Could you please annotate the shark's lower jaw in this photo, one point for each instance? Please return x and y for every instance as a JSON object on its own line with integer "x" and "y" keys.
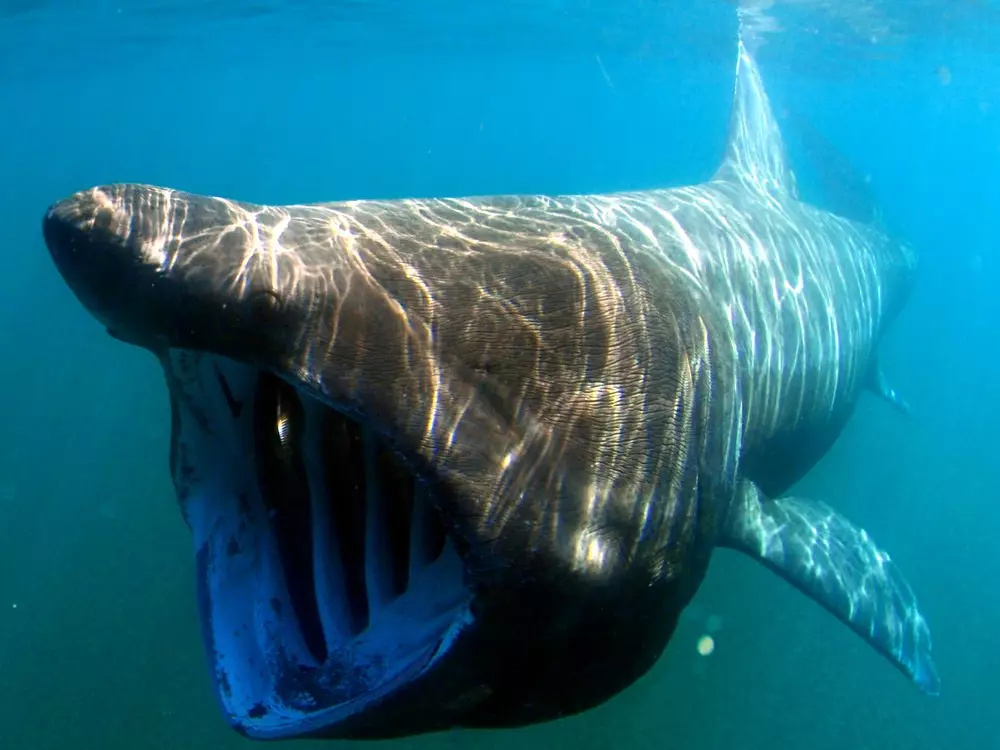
{"x": 326, "y": 581}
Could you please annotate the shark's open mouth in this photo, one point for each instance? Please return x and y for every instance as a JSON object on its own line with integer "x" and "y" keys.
{"x": 327, "y": 580}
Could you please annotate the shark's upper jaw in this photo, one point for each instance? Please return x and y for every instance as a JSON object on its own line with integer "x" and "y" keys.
{"x": 327, "y": 583}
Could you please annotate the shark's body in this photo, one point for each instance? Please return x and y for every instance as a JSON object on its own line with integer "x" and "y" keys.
{"x": 464, "y": 461}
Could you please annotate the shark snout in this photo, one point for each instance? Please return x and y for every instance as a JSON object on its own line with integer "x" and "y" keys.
{"x": 160, "y": 270}
{"x": 89, "y": 238}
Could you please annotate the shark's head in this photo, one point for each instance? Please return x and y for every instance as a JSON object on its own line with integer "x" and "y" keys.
{"x": 413, "y": 505}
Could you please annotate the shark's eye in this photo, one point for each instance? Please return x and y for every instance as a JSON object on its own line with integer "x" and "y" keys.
{"x": 263, "y": 302}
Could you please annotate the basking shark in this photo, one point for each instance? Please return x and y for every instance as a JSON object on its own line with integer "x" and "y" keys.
{"x": 463, "y": 462}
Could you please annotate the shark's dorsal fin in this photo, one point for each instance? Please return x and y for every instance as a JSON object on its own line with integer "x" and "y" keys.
{"x": 755, "y": 152}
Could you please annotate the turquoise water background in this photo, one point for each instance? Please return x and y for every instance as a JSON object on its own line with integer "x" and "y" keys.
{"x": 301, "y": 102}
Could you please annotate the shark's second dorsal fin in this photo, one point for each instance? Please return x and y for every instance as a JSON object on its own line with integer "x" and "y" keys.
{"x": 755, "y": 152}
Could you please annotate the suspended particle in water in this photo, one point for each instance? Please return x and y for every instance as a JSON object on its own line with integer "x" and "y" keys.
{"x": 706, "y": 645}
{"x": 944, "y": 74}
{"x": 604, "y": 72}
{"x": 713, "y": 624}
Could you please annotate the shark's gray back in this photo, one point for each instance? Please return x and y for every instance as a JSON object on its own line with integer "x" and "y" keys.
{"x": 800, "y": 295}
{"x": 793, "y": 298}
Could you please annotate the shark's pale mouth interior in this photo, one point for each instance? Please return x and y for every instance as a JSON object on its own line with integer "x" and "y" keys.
{"x": 326, "y": 578}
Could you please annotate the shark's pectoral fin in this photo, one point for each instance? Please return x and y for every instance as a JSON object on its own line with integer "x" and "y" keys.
{"x": 822, "y": 554}
{"x": 879, "y": 384}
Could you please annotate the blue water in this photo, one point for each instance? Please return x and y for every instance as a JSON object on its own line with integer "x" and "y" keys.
{"x": 299, "y": 102}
